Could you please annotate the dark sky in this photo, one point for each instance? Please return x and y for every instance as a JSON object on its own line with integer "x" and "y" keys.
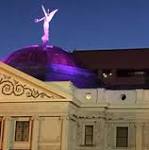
{"x": 79, "y": 24}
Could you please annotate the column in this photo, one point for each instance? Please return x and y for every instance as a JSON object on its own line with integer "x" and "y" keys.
{"x": 65, "y": 133}
{"x": 105, "y": 134}
{"x": 74, "y": 135}
{"x": 146, "y": 135}
{"x": 132, "y": 135}
{"x": 6, "y": 137}
{"x": 35, "y": 133}
{"x": 139, "y": 136}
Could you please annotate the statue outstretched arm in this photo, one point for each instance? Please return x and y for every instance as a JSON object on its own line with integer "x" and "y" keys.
{"x": 38, "y": 20}
{"x": 44, "y": 11}
{"x": 51, "y": 14}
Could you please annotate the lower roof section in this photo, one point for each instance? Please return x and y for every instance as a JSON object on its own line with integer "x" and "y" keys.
{"x": 115, "y": 58}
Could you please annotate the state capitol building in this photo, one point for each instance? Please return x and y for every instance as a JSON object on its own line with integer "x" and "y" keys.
{"x": 85, "y": 100}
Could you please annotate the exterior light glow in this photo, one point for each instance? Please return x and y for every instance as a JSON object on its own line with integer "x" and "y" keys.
{"x": 106, "y": 75}
{"x": 88, "y": 96}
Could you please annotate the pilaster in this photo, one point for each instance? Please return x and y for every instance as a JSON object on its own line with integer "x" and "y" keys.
{"x": 139, "y": 140}
{"x": 65, "y": 133}
{"x": 6, "y": 137}
{"x": 35, "y": 133}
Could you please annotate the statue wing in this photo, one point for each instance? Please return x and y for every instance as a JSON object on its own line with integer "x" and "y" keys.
{"x": 51, "y": 14}
{"x": 44, "y": 11}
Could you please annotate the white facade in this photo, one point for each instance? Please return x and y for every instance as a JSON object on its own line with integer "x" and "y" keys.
{"x": 56, "y": 115}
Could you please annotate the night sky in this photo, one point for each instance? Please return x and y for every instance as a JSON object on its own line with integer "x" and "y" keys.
{"x": 79, "y": 24}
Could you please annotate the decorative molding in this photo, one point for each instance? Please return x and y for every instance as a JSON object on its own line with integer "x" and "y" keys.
{"x": 91, "y": 117}
{"x": 10, "y": 86}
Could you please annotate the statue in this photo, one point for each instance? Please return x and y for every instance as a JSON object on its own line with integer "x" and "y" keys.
{"x": 47, "y": 19}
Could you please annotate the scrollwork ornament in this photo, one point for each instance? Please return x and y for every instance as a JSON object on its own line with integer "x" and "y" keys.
{"x": 13, "y": 87}
{"x": 7, "y": 87}
{"x": 18, "y": 90}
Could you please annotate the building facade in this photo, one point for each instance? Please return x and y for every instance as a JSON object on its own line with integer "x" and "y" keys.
{"x": 37, "y": 115}
{"x": 119, "y": 68}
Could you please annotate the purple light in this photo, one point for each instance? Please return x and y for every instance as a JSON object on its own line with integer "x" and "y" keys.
{"x": 51, "y": 64}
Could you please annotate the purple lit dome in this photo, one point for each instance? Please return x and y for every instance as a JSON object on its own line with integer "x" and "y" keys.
{"x": 51, "y": 64}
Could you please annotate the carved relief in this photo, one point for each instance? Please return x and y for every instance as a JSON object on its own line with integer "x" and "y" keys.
{"x": 9, "y": 86}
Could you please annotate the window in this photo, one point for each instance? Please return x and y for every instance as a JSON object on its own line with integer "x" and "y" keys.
{"x": 131, "y": 72}
{"x": 123, "y": 97}
{"x": 22, "y": 131}
{"x": 122, "y": 137}
{"x": 88, "y": 135}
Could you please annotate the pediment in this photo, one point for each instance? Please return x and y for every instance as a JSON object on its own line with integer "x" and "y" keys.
{"x": 18, "y": 86}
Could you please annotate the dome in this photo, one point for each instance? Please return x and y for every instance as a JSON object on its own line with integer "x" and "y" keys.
{"x": 40, "y": 56}
{"x": 51, "y": 64}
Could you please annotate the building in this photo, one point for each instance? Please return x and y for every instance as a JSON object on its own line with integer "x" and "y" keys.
{"x": 120, "y": 68}
{"x": 48, "y": 101}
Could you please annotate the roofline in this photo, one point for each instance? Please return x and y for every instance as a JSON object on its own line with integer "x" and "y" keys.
{"x": 120, "y": 49}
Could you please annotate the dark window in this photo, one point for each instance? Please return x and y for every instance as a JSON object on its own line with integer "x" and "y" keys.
{"x": 131, "y": 72}
{"x": 122, "y": 137}
{"x": 89, "y": 135}
{"x": 123, "y": 97}
{"x": 22, "y": 131}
